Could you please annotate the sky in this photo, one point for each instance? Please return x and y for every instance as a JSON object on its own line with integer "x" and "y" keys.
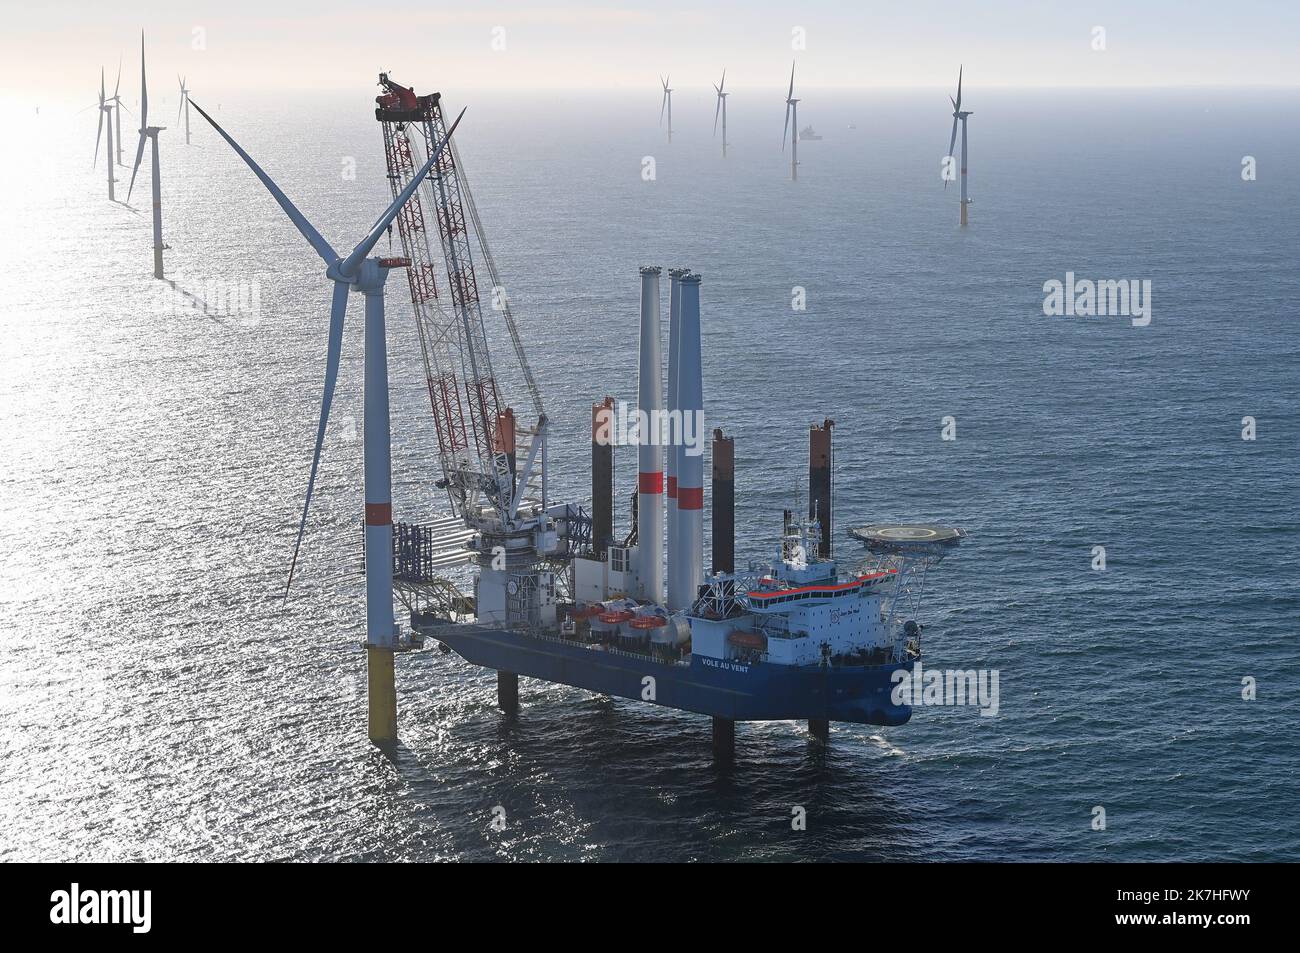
{"x": 54, "y": 50}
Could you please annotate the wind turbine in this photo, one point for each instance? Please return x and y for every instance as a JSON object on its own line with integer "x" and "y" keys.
{"x": 792, "y": 107}
{"x": 666, "y": 102}
{"x": 958, "y": 114}
{"x": 150, "y": 132}
{"x": 116, "y": 100}
{"x": 368, "y": 275}
{"x": 184, "y": 107}
{"x": 721, "y": 109}
{"x": 105, "y": 115}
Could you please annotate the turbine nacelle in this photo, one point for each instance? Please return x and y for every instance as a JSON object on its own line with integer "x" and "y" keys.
{"x": 367, "y": 276}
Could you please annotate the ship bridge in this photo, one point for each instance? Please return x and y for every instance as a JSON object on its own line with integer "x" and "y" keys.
{"x": 784, "y": 599}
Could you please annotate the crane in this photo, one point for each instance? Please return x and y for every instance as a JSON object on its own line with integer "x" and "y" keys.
{"x": 498, "y": 511}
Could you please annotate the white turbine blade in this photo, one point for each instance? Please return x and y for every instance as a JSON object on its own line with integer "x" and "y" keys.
{"x": 957, "y": 105}
{"x": 338, "y": 310}
{"x": 100, "y": 131}
{"x": 790, "y": 95}
{"x": 663, "y": 104}
{"x": 786, "y": 130}
{"x": 139, "y": 154}
{"x": 305, "y": 227}
{"x": 144, "y": 89}
{"x": 723, "y": 84}
{"x": 350, "y": 263}
{"x": 118, "y": 84}
{"x": 717, "y": 112}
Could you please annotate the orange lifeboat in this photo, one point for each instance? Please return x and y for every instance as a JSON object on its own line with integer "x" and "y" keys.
{"x": 747, "y": 640}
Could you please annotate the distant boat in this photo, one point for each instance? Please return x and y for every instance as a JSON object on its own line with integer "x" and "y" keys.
{"x": 808, "y": 134}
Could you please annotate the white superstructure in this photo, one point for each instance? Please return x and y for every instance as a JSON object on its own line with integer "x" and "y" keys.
{"x": 802, "y": 611}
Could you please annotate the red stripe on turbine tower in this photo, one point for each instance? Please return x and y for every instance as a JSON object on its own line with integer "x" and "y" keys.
{"x": 690, "y": 498}
{"x": 379, "y": 514}
{"x": 650, "y": 483}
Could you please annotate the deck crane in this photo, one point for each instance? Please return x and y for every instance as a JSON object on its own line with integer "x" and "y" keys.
{"x": 500, "y": 515}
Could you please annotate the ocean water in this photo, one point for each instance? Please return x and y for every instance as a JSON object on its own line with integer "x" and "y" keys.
{"x": 158, "y": 700}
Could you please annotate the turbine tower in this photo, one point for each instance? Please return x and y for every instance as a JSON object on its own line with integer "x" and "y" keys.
{"x": 105, "y": 115}
{"x": 959, "y": 115}
{"x": 721, "y": 109}
{"x": 792, "y": 109}
{"x": 184, "y": 107}
{"x": 666, "y": 103}
{"x": 150, "y": 132}
{"x": 368, "y": 276}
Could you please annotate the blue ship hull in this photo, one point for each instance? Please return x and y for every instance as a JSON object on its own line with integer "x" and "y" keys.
{"x": 709, "y": 686}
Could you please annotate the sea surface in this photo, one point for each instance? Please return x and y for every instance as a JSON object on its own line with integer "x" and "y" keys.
{"x": 159, "y": 700}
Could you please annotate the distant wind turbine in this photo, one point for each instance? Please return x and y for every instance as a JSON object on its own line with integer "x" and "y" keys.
{"x": 792, "y": 130}
{"x": 116, "y": 100}
{"x": 666, "y": 103}
{"x": 959, "y": 115}
{"x": 184, "y": 107}
{"x": 149, "y": 132}
{"x": 721, "y": 109}
{"x": 105, "y": 116}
